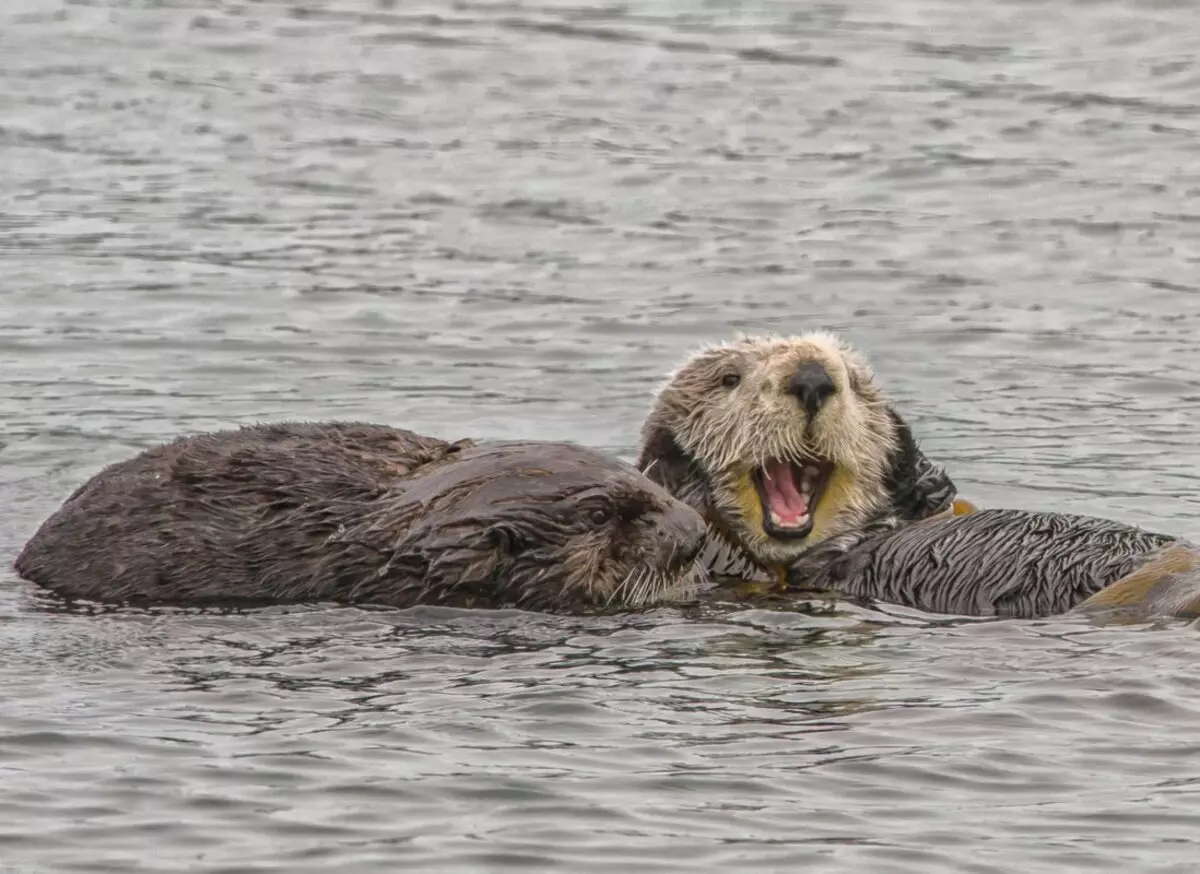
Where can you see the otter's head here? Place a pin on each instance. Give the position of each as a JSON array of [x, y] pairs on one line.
[[783, 442], [548, 526]]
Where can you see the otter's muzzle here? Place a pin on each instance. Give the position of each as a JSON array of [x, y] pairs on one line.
[[679, 534], [811, 384]]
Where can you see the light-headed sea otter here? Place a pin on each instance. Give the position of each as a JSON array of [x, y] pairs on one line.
[[783, 442], [359, 513]]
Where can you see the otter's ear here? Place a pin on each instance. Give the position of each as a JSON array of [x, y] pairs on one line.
[[918, 487]]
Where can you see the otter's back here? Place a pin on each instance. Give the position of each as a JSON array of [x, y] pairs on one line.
[[206, 513]]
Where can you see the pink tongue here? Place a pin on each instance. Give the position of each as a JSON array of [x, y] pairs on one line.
[[783, 498]]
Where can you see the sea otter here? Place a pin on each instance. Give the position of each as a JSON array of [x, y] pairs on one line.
[[1010, 563], [361, 513], [783, 442]]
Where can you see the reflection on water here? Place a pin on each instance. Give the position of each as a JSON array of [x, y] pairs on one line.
[[510, 220]]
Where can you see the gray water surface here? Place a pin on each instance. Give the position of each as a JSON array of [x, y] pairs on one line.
[[508, 219]]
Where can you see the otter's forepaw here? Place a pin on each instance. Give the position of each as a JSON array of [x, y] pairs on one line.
[[961, 507]]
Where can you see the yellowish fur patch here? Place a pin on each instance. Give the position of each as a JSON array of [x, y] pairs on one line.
[[749, 504], [841, 494], [1148, 581]]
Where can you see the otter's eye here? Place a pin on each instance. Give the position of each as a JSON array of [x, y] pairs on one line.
[[600, 515], [731, 379]]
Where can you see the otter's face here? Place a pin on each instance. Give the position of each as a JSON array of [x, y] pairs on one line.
[[779, 442], [618, 545], [556, 526]]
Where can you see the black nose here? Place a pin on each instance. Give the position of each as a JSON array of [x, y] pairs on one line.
[[811, 384]]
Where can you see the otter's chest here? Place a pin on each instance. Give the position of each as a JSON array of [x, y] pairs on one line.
[[724, 559]]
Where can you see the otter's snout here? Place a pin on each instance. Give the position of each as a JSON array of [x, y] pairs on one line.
[[811, 384], [679, 536]]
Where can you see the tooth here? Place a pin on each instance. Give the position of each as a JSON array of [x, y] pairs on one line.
[[799, 523]]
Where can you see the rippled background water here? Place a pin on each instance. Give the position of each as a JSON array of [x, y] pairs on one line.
[[510, 219]]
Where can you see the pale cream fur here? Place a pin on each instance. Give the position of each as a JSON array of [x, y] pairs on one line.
[[729, 431]]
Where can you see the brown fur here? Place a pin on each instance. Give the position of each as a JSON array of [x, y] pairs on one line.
[[703, 437], [1168, 584], [359, 513]]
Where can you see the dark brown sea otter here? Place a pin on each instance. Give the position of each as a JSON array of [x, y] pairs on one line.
[[782, 443], [359, 513]]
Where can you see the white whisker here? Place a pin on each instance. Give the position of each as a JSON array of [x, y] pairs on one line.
[[613, 595], [635, 597]]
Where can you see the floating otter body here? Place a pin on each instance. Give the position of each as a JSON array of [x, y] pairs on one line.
[[359, 513], [781, 443], [1011, 563], [804, 470]]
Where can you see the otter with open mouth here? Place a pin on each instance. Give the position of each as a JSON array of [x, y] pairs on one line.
[[783, 442], [367, 514]]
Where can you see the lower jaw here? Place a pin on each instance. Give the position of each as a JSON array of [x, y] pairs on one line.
[[776, 554], [781, 546], [788, 535]]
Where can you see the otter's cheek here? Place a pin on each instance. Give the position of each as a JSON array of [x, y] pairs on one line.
[[750, 505], [836, 427], [840, 494]]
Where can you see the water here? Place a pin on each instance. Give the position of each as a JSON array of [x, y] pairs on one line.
[[503, 219]]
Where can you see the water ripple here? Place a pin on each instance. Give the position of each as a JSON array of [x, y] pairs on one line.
[[510, 219]]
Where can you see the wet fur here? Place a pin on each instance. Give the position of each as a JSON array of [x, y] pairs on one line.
[[998, 562], [358, 513], [700, 439]]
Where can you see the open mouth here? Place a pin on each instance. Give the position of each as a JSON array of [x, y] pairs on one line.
[[790, 492]]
